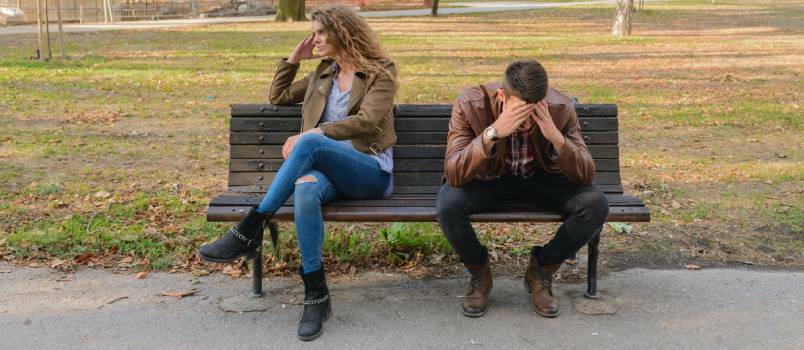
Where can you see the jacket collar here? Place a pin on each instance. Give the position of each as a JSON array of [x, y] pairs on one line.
[[332, 70], [494, 102]]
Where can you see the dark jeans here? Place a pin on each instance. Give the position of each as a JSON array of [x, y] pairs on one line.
[[586, 207]]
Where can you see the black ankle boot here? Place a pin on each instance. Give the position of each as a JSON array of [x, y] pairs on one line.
[[242, 239], [317, 307]]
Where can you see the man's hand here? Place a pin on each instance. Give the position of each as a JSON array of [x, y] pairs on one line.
[[514, 114], [541, 115], [303, 51], [291, 142]]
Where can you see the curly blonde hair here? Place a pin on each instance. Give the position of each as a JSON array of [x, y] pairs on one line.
[[352, 37]]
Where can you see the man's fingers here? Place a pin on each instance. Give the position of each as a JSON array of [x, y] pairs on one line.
[[524, 111]]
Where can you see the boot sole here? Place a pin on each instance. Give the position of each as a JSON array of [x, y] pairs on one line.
[[315, 336], [541, 313], [474, 315], [247, 254]]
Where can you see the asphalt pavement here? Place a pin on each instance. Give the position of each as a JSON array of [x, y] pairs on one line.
[[640, 309]]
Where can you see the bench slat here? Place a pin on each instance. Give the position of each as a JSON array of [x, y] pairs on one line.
[[419, 110], [239, 199], [609, 189], [407, 165], [401, 179], [400, 151], [401, 124], [403, 138], [423, 214]]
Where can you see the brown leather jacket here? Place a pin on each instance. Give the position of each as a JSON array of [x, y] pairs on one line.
[[370, 121], [477, 108]]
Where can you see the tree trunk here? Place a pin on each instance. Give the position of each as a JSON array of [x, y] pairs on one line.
[[622, 18], [434, 12], [290, 10]]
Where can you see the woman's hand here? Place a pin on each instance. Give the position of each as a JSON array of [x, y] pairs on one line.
[[291, 141], [303, 51]]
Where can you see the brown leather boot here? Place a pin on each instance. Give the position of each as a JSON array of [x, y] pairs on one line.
[[538, 282], [476, 300]]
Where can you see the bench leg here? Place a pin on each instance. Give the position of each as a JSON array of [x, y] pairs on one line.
[[256, 262], [274, 230], [256, 273], [591, 270]]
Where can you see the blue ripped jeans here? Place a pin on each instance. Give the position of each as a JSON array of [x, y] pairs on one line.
[[339, 170]]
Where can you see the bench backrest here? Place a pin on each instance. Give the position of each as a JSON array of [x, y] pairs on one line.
[[258, 132]]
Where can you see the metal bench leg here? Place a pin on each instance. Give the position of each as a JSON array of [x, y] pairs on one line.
[[256, 273], [256, 262], [272, 227], [591, 270]]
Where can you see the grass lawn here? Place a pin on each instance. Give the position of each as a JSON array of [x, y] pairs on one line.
[[110, 156]]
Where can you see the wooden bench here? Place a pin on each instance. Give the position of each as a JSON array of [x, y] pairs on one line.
[[258, 131]]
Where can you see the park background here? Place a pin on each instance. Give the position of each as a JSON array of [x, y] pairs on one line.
[[108, 157]]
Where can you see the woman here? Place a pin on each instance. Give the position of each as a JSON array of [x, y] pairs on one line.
[[347, 134]]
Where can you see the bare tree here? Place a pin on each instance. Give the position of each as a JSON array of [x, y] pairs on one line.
[[622, 18], [290, 10]]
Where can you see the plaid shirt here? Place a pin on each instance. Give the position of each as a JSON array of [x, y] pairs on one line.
[[519, 161]]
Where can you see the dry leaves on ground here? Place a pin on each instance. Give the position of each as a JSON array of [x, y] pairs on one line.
[[180, 294]]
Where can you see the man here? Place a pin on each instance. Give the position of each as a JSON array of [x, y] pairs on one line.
[[518, 140]]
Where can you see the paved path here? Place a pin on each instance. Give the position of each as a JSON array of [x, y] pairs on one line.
[[468, 7], [655, 309]]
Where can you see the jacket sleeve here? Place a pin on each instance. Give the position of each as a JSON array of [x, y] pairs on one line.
[[377, 103], [574, 159], [283, 90], [465, 155]]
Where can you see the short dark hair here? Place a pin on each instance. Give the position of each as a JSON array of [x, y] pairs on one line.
[[527, 80]]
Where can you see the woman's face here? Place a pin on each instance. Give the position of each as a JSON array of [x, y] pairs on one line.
[[320, 40]]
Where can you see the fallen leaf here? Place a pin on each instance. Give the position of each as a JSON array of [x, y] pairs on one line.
[[692, 267], [199, 273], [141, 275], [232, 271], [113, 300], [621, 227], [83, 258], [56, 263], [65, 278], [102, 194], [127, 260], [180, 294]]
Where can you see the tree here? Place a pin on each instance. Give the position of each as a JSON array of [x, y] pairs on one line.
[[290, 10], [622, 18], [434, 12]]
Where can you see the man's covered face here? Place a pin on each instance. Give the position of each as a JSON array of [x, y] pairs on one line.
[[528, 123]]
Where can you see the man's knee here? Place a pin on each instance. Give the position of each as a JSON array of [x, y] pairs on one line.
[[592, 206], [450, 203]]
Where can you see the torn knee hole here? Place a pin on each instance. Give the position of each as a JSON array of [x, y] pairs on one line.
[[306, 179]]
